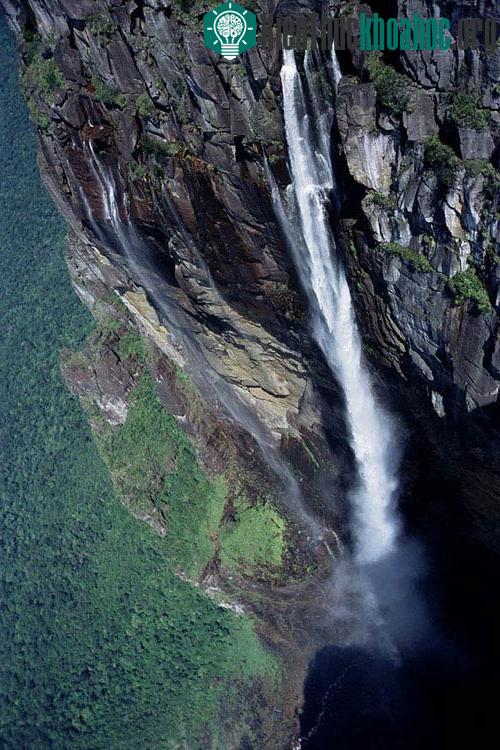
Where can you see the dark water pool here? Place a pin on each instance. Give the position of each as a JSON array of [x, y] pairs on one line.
[[443, 693]]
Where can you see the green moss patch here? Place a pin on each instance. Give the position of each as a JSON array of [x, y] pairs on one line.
[[254, 540], [393, 89], [153, 463], [467, 286], [417, 261]]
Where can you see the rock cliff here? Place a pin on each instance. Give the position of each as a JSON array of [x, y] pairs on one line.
[[140, 126], [126, 98]]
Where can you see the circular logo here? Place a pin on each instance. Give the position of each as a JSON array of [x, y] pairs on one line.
[[230, 30]]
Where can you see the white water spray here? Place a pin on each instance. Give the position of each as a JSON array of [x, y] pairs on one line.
[[372, 437]]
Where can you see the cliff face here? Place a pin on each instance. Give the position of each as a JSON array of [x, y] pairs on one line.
[[423, 146], [128, 100], [156, 152], [181, 138]]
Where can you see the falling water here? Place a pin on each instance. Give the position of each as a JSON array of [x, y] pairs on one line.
[[375, 525], [138, 255], [335, 67]]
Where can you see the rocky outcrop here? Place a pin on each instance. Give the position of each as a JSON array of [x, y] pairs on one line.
[[182, 140], [432, 194]]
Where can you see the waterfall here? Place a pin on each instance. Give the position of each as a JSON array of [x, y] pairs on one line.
[[138, 255], [337, 73], [375, 524]]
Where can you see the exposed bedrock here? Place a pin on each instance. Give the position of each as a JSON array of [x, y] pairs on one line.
[[126, 90]]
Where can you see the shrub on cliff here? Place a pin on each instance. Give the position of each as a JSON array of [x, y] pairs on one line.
[[144, 105], [441, 159], [39, 82], [102, 27], [467, 286], [484, 168], [107, 94], [466, 111], [42, 77], [388, 202], [393, 89]]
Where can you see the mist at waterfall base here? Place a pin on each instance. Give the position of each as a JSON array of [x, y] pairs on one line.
[[401, 665], [442, 691]]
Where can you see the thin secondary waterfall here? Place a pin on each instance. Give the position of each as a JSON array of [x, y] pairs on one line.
[[138, 256], [375, 526]]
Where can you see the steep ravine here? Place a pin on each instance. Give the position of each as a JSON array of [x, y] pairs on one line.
[[155, 151]]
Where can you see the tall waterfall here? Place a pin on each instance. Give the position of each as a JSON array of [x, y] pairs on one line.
[[375, 525]]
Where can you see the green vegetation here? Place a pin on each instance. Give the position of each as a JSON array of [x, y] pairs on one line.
[[32, 45], [102, 645], [418, 262], [107, 94], [109, 327], [39, 82], [136, 170], [102, 27], [144, 105], [132, 345], [393, 89], [156, 148], [255, 540], [175, 148], [468, 286], [477, 167], [154, 465], [466, 111], [152, 462], [190, 11], [389, 202], [42, 77], [441, 159]]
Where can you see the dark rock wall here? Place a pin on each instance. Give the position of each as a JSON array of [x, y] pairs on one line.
[[183, 137]]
